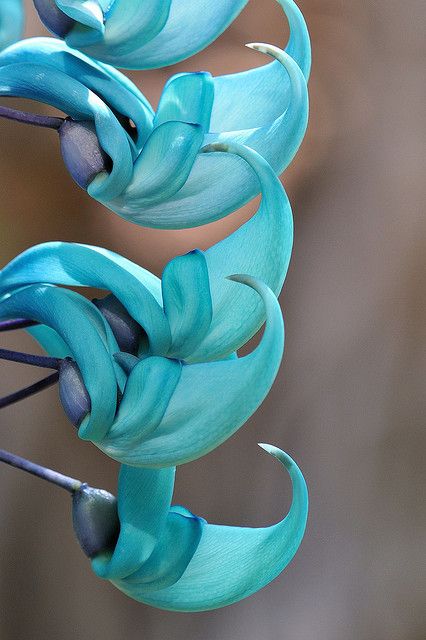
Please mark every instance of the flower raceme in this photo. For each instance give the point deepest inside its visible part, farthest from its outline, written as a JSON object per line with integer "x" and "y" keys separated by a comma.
{"x": 177, "y": 348}
{"x": 168, "y": 558}
{"x": 11, "y": 22}
{"x": 149, "y": 167}
{"x": 125, "y": 34}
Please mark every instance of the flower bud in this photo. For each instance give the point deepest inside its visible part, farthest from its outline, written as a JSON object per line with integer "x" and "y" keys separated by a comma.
{"x": 126, "y": 330}
{"x": 72, "y": 392}
{"x": 81, "y": 151}
{"x": 95, "y": 520}
{"x": 53, "y": 18}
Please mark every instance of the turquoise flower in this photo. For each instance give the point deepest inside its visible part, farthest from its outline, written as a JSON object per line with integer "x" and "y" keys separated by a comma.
{"x": 125, "y": 34}
{"x": 11, "y": 22}
{"x": 169, "y": 558}
{"x": 149, "y": 167}
{"x": 190, "y": 325}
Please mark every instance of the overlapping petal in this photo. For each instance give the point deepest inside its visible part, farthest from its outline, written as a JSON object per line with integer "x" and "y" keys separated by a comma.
{"x": 194, "y": 320}
{"x": 159, "y": 177}
{"x": 125, "y": 34}
{"x": 171, "y": 559}
{"x": 11, "y": 22}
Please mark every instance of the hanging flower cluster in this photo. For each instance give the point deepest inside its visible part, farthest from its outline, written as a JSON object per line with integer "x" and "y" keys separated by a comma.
{"x": 151, "y": 372}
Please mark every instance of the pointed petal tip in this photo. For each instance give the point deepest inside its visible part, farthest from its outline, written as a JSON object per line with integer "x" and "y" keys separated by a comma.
{"x": 268, "y": 49}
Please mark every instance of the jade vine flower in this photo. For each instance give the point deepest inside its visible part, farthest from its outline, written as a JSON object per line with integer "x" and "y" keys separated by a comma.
{"x": 11, "y": 22}
{"x": 169, "y": 558}
{"x": 125, "y": 34}
{"x": 191, "y": 324}
{"x": 151, "y": 168}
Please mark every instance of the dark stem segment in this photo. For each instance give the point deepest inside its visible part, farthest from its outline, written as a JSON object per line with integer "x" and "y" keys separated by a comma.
{"x": 34, "y": 119}
{"x": 65, "y": 482}
{"x": 28, "y": 358}
{"x": 16, "y": 323}
{"x": 29, "y": 391}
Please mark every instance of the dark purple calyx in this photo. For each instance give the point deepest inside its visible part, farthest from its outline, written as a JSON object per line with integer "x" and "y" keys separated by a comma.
{"x": 81, "y": 151}
{"x": 126, "y": 330}
{"x": 95, "y": 520}
{"x": 53, "y": 18}
{"x": 72, "y": 392}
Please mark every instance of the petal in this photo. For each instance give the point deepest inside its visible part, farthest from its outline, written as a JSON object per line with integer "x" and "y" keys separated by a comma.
{"x": 87, "y": 12}
{"x": 212, "y": 400}
{"x": 170, "y": 558}
{"x": 83, "y": 329}
{"x": 187, "y": 302}
{"x": 115, "y": 90}
{"x": 45, "y": 84}
{"x": 11, "y": 22}
{"x": 75, "y": 264}
{"x": 160, "y": 171}
{"x": 187, "y": 97}
{"x": 265, "y": 109}
{"x": 127, "y": 28}
{"x": 172, "y": 32}
{"x": 231, "y": 563}
{"x": 144, "y": 498}
{"x": 150, "y": 385}
{"x": 261, "y": 247}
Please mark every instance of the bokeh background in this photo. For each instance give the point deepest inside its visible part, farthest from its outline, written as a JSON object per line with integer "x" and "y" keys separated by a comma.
{"x": 348, "y": 403}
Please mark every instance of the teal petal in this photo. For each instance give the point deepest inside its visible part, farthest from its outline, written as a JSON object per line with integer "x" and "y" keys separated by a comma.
{"x": 187, "y": 97}
{"x": 229, "y": 563}
{"x": 187, "y": 302}
{"x": 212, "y": 400}
{"x": 112, "y": 87}
{"x": 44, "y": 84}
{"x": 88, "y": 337}
{"x": 88, "y": 12}
{"x": 150, "y": 385}
{"x": 161, "y": 34}
{"x": 170, "y": 558}
{"x": 144, "y": 498}
{"x": 75, "y": 264}
{"x": 160, "y": 171}
{"x": 261, "y": 247}
{"x": 127, "y": 28}
{"x": 264, "y": 108}
{"x": 11, "y": 22}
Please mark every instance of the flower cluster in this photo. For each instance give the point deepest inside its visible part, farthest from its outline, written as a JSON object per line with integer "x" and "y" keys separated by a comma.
{"x": 151, "y": 373}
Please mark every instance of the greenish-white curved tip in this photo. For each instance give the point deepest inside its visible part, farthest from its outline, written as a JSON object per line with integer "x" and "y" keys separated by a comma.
{"x": 268, "y": 49}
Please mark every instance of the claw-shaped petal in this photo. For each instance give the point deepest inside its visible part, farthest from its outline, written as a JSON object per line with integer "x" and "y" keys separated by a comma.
{"x": 193, "y": 565}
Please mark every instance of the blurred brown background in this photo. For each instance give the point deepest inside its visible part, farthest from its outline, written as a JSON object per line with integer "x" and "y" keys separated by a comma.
{"x": 348, "y": 403}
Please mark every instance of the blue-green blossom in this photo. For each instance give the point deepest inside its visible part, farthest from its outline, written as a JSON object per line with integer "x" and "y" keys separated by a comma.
{"x": 158, "y": 175}
{"x": 193, "y": 322}
{"x": 11, "y": 22}
{"x": 169, "y": 558}
{"x": 125, "y": 33}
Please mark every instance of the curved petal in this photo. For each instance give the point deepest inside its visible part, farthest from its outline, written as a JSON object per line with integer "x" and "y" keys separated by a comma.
{"x": 48, "y": 85}
{"x": 88, "y": 337}
{"x": 112, "y": 87}
{"x": 265, "y": 109}
{"x": 144, "y": 498}
{"x": 75, "y": 264}
{"x": 187, "y": 302}
{"x": 261, "y": 247}
{"x": 231, "y": 563}
{"x": 11, "y": 22}
{"x": 193, "y": 424}
{"x": 162, "y": 34}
